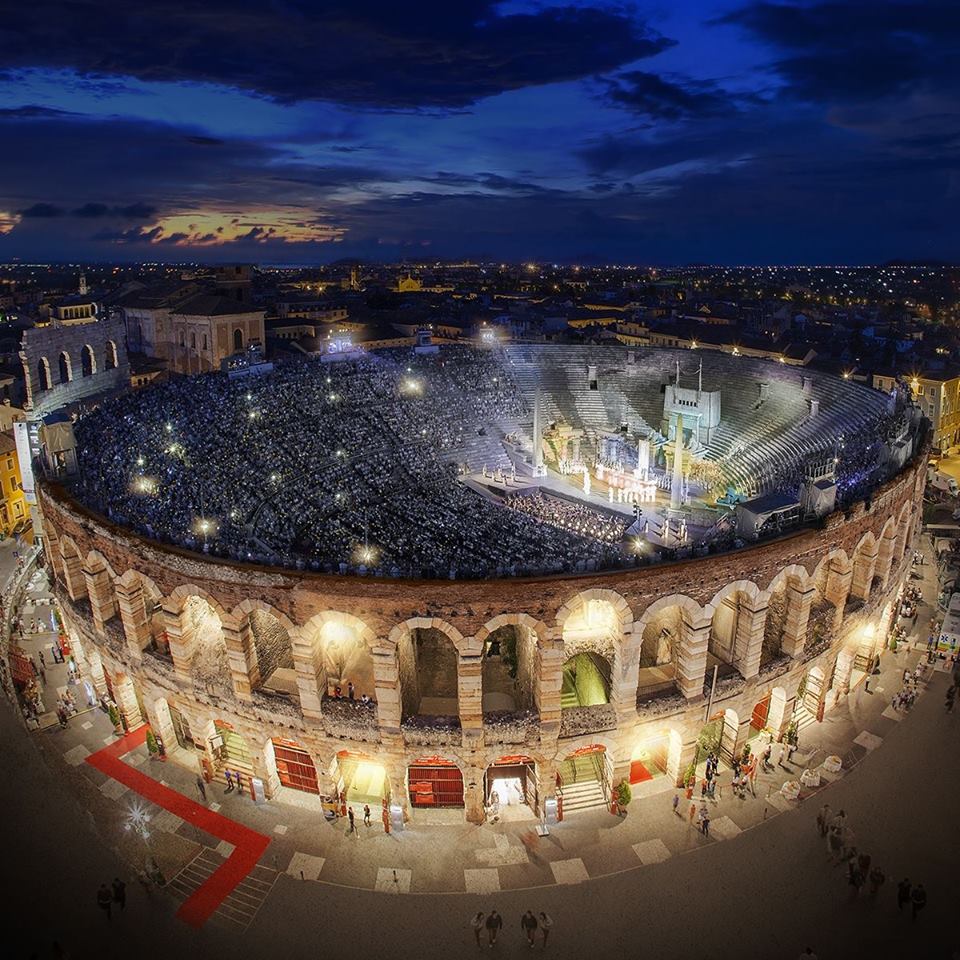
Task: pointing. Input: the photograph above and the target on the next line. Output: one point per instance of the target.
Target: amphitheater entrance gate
(295, 767)
(435, 782)
(230, 751)
(360, 779)
(181, 728)
(649, 759)
(511, 787)
(758, 719)
(583, 780)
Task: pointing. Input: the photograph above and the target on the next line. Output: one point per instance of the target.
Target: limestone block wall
(88, 556)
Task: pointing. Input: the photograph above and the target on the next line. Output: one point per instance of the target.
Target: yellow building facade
(13, 506)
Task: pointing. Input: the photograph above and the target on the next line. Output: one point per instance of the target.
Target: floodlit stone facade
(194, 644)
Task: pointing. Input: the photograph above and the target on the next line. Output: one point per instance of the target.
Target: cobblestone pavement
(642, 884)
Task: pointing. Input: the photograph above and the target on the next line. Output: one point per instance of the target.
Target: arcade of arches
(481, 709)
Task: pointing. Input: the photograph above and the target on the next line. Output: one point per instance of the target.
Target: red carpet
(639, 773)
(249, 845)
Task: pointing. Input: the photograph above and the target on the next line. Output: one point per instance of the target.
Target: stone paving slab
(652, 851)
(569, 871)
(485, 880)
(723, 828)
(113, 789)
(167, 821)
(390, 880)
(892, 714)
(867, 740)
(76, 755)
(502, 856)
(306, 867)
(224, 848)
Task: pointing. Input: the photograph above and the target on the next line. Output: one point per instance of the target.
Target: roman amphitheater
(212, 590)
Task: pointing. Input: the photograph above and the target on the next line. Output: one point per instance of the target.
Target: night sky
(294, 132)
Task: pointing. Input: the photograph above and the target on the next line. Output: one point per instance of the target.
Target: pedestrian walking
(229, 777)
(494, 925)
(104, 899)
(693, 813)
(919, 899)
(350, 817)
(43, 662)
(350, 690)
(705, 823)
(119, 893)
(202, 789)
(528, 923)
(366, 814)
(477, 924)
(676, 804)
(823, 819)
(877, 879)
(904, 889)
(546, 925)
(236, 776)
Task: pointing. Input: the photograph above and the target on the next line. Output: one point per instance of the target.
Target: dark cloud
(667, 99)
(201, 141)
(30, 111)
(436, 54)
(133, 211)
(41, 211)
(834, 52)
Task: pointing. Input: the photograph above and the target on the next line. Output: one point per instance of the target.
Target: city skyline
(730, 133)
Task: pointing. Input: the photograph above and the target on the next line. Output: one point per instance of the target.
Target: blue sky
(738, 132)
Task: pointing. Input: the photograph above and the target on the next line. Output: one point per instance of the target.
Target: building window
(88, 363)
(238, 339)
(66, 370)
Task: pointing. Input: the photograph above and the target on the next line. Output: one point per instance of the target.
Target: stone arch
(790, 594)
(139, 601)
(831, 579)
(513, 662)
(66, 367)
(337, 649)
(97, 561)
(260, 642)
(237, 340)
(864, 565)
(44, 380)
(99, 578)
(664, 633)
(72, 566)
(578, 602)
(195, 633)
(110, 355)
(88, 361)
(430, 659)
(737, 617)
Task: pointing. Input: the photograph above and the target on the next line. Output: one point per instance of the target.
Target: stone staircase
(582, 788)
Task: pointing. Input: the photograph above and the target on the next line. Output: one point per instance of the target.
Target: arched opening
(509, 670)
(66, 370)
(656, 756)
(511, 788)
(831, 581)
(181, 728)
(88, 363)
(238, 339)
(274, 652)
(659, 652)
(583, 779)
(435, 782)
(784, 591)
(193, 341)
(811, 693)
(210, 665)
(726, 628)
(428, 673)
(343, 659)
(110, 356)
(360, 779)
(43, 374)
(230, 752)
(294, 765)
(718, 737)
(586, 681)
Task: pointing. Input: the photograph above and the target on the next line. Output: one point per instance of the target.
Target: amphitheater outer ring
(852, 567)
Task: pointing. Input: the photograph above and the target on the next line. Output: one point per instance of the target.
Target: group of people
(860, 866)
(113, 895)
(530, 923)
(328, 467)
(573, 516)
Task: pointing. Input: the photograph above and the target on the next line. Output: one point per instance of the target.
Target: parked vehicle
(941, 481)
